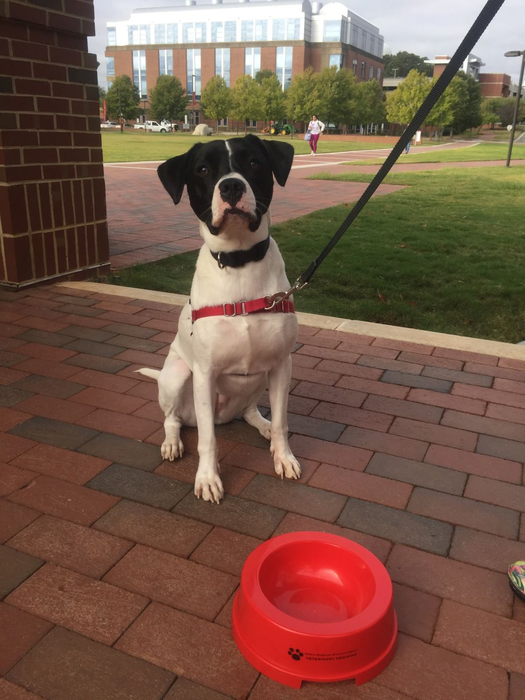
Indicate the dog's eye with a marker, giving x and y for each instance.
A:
(254, 164)
(203, 170)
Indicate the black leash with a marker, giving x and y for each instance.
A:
(485, 17)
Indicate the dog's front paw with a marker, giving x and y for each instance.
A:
(209, 487)
(286, 466)
(171, 449)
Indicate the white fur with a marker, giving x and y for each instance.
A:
(218, 367)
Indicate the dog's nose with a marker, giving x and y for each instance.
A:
(232, 189)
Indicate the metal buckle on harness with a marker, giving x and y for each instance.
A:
(275, 299)
(226, 314)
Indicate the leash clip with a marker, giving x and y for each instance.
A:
(272, 301)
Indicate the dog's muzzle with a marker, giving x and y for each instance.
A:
(231, 190)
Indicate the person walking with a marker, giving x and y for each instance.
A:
(316, 128)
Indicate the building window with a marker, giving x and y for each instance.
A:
(172, 31)
(193, 63)
(112, 36)
(160, 33)
(332, 30)
(261, 30)
(371, 73)
(372, 44)
(217, 32)
(251, 122)
(222, 64)
(230, 31)
(247, 31)
(139, 72)
(283, 65)
(139, 34)
(222, 122)
(364, 38)
(354, 66)
(379, 75)
(165, 62)
(336, 59)
(293, 28)
(252, 61)
(363, 70)
(200, 32)
(110, 66)
(278, 29)
(193, 32)
(353, 35)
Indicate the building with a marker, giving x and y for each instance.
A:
(492, 84)
(471, 65)
(197, 41)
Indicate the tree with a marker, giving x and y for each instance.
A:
(304, 96)
(403, 102)
(168, 99)
(102, 94)
(123, 98)
(273, 103)
(246, 99)
(262, 74)
(450, 105)
(369, 106)
(403, 62)
(468, 116)
(216, 99)
(337, 90)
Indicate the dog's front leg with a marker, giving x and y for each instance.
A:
(279, 385)
(208, 484)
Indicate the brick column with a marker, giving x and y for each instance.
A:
(52, 197)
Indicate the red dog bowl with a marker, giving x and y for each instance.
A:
(315, 607)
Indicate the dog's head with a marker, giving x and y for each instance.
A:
(230, 183)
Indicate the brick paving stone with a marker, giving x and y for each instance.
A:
(64, 500)
(393, 365)
(77, 310)
(438, 434)
(506, 398)
(305, 360)
(53, 408)
(484, 425)
(79, 603)
(45, 352)
(403, 408)
(153, 527)
(225, 550)
(353, 416)
(364, 486)
(309, 351)
(261, 461)
(9, 418)
(518, 612)
(417, 612)
(481, 635)
(44, 337)
(397, 526)
(501, 447)
(10, 691)
(11, 396)
(234, 479)
(174, 581)
(457, 376)
(72, 546)
(224, 618)
(321, 392)
(297, 523)
(61, 665)
(110, 400)
(237, 431)
(517, 686)
(506, 413)
(130, 452)
(329, 452)
(47, 368)
(314, 427)
(381, 442)
(500, 372)
(183, 689)
(496, 492)
(482, 549)
(465, 511)
(93, 334)
(296, 498)
(14, 518)
(377, 388)
(369, 350)
(102, 380)
(137, 485)
(19, 632)
(144, 390)
(266, 689)
(119, 424)
(417, 380)
(49, 386)
(238, 514)
(506, 385)
(345, 368)
(186, 645)
(12, 478)
(430, 360)
(296, 404)
(9, 376)
(466, 356)
(417, 473)
(15, 567)
(62, 464)
(426, 672)
(144, 359)
(451, 579)
(100, 364)
(66, 299)
(474, 463)
(54, 432)
(90, 347)
(435, 398)
(403, 345)
(134, 343)
(315, 375)
(11, 446)
(508, 362)
(8, 359)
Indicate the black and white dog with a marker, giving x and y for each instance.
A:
(231, 343)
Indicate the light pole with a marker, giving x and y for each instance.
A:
(193, 81)
(144, 100)
(513, 54)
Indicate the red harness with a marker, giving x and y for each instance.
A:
(243, 308)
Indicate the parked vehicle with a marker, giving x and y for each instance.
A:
(108, 125)
(158, 127)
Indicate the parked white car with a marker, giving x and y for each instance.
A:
(108, 125)
(160, 127)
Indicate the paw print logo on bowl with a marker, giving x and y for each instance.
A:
(296, 654)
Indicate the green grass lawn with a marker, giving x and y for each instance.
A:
(483, 151)
(445, 254)
(136, 145)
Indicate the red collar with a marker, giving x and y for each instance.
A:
(243, 308)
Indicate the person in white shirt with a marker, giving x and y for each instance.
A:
(316, 128)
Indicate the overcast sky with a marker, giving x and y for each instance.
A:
(424, 27)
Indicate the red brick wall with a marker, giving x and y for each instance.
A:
(52, 196)
(494, 84)
(123, 62)
(152, 69)
(237, 64)
(207, 66)
(268, 55)
(179, 65)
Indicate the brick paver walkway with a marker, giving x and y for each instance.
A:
(117, 583)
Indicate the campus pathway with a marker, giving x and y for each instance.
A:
(117, 583)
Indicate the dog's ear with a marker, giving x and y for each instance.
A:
(173, 173)
(281, 159)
